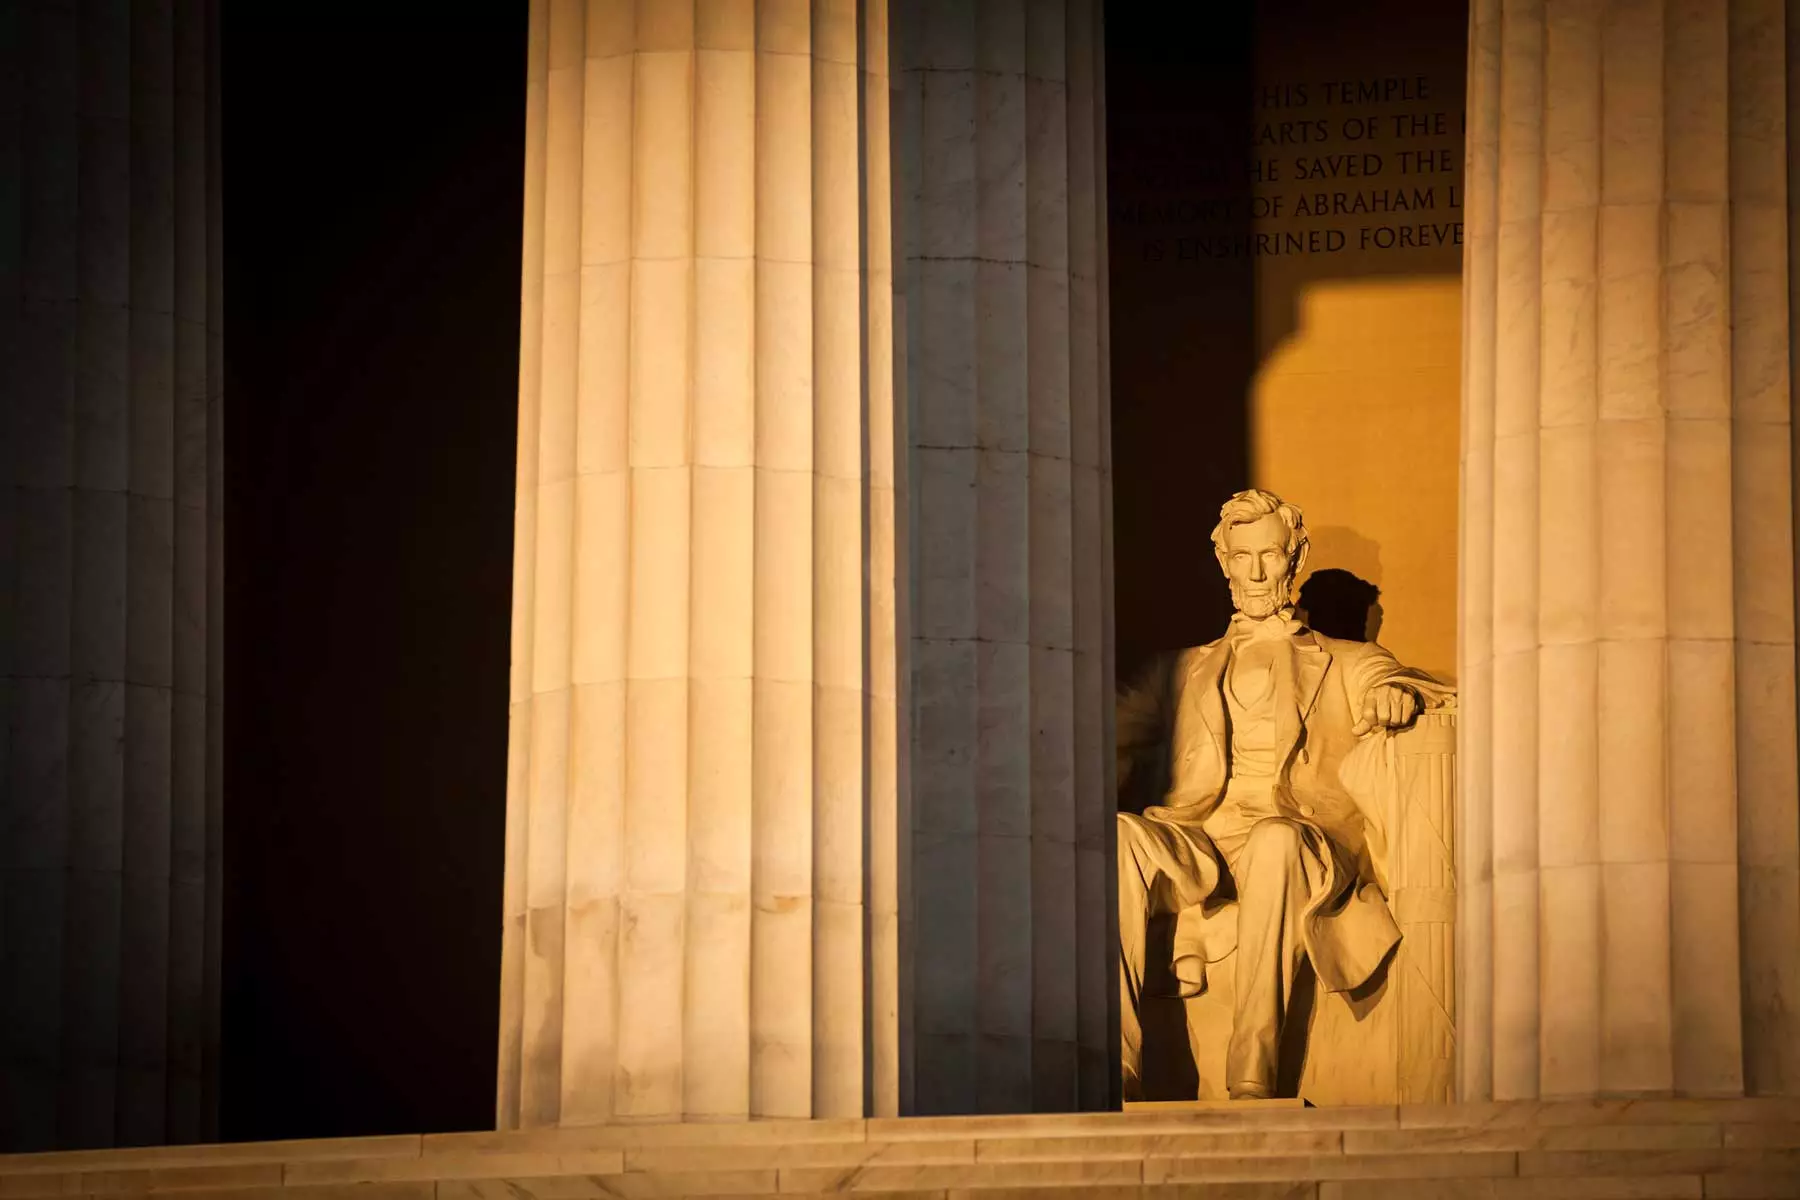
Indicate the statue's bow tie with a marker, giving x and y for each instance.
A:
(1278, 627)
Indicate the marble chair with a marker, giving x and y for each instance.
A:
(1393, 1042)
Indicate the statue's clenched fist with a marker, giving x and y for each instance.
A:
(1389, 706)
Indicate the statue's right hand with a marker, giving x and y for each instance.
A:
(1388, 706)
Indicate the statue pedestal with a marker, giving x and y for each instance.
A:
(1181, 1106)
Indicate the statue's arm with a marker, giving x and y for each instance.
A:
(1373, 666)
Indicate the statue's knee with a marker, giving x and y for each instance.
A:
(1134, 829)
(1274, 837)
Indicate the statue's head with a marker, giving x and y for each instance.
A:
(1260, 542)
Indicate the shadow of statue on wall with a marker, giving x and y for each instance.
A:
(1340, 604)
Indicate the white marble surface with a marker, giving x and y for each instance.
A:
(704, 693)
(1627, 567)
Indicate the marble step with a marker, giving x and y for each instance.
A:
(1638, 1150)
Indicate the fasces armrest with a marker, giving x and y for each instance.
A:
(1422, 865)
(1405, 785)
(1421, 812)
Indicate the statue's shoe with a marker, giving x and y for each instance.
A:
(1134, 1087)
(1250, 1091)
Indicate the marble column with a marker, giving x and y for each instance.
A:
(1000, 128)
(110, 556)
(703, 713)
(1630, 852)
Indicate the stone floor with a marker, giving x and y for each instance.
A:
(1624, 1150)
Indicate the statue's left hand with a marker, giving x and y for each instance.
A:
(1388, 706)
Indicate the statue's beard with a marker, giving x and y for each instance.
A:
(1265, 601)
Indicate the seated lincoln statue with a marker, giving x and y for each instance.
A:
(1251, 841)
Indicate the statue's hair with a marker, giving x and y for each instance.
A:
(1253, 505)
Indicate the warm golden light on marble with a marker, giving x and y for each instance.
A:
(1355, 416)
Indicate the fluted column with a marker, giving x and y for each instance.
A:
(1630, 854)
(1000, 128)
(110, 556)
(703, 681)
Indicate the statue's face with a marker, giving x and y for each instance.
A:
(1256, 562)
